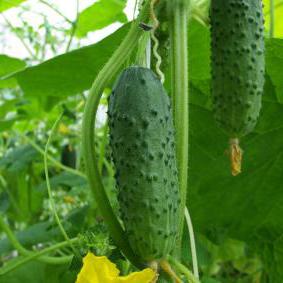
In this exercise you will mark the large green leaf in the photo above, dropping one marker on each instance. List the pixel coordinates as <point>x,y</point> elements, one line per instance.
<point>43,232</point>
<point>100,15</point>
<point>82,65</point>
<point>18,158</point>
<point>274,64</point>
<point>247,207</point>
<point>70,73</point>
<point>7,4</point>
<point>9,65</point>
<point>64,179</point>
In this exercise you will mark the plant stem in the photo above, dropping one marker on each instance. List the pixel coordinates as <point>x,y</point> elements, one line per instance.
<point>106,75</point>
<point>22,250</point>
<point>53,160</point>
<point>179,60</point>
<point>74,27</point>
<point>51,200</point>
<point>183,269</point>
<point>192,243</point>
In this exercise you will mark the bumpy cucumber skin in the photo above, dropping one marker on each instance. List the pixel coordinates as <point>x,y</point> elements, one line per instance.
<point>143,152</point>
<point>237,44</point>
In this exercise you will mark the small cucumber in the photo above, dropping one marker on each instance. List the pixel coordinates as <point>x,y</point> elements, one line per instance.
<point>143,151</point>
<point>237,46</point>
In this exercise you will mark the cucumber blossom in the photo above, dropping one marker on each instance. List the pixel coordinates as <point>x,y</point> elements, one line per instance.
<point>237,47</point>
<point>143,152</point>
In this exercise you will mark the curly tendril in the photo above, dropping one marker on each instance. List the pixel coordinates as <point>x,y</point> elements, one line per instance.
<point>156,42</point>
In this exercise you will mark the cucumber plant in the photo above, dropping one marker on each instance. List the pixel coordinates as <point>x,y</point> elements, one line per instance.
<point>237,46</point>
<point>160,241</point>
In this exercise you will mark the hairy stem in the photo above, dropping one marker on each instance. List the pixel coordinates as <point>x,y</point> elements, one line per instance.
<point>106,75</point>
<point>179,60</point>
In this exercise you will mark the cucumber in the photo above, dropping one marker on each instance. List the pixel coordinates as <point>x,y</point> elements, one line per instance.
<point>237,65</point>
<point>69,156</point>
<point>143,152</point>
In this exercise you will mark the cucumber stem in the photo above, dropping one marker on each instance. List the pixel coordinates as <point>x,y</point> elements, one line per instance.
<point>165,265</point>
<point>192,243</point>
<point>105,76</point>
<point>180,96</point>
<point>235,154</point>
<point>48,185</point>
<point>183,269</point>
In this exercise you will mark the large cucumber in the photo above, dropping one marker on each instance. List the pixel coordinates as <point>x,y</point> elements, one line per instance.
<point>143,151</point>
<point>237,45</point>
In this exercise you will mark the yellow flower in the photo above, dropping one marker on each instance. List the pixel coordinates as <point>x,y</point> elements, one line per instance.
<point>63,129</point>
<point>99,269</point>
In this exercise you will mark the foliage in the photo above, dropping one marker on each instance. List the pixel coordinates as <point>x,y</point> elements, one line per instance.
<point>237,220</point>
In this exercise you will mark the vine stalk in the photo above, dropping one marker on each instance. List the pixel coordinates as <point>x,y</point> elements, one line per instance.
<point>180,97</point>
<point>105,76</point>
<point>48,185</point>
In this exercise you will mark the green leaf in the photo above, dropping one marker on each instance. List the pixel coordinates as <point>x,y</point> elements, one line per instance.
<point>18,158</point>
<point>6,124</point>
<point>247,207</point>
<point>4,202</point>
<point>209,280</point>
<point>7,4</point>
<point>43,232</point>
<point>7,106</point>
<point>274,64</point>
<point>199,51</point>
<point>278,15</point>
<point>242,207</point>
<point>9,65</point>
<point>70,73</point>
<point>64,179</point>
<point>44,273</point>
<point>100,15</point>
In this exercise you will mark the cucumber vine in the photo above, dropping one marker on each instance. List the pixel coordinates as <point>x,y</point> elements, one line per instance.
<point>106,75</point>
<point>179,88</point>
<point>178,35</point>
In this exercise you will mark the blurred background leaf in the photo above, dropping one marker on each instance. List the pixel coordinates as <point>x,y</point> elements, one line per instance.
<point>100,15</point>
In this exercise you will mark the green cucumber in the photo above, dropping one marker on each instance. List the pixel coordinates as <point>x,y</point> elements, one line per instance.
<point>143,152</point>
<point>237,63</point>
<point>237,46</point>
